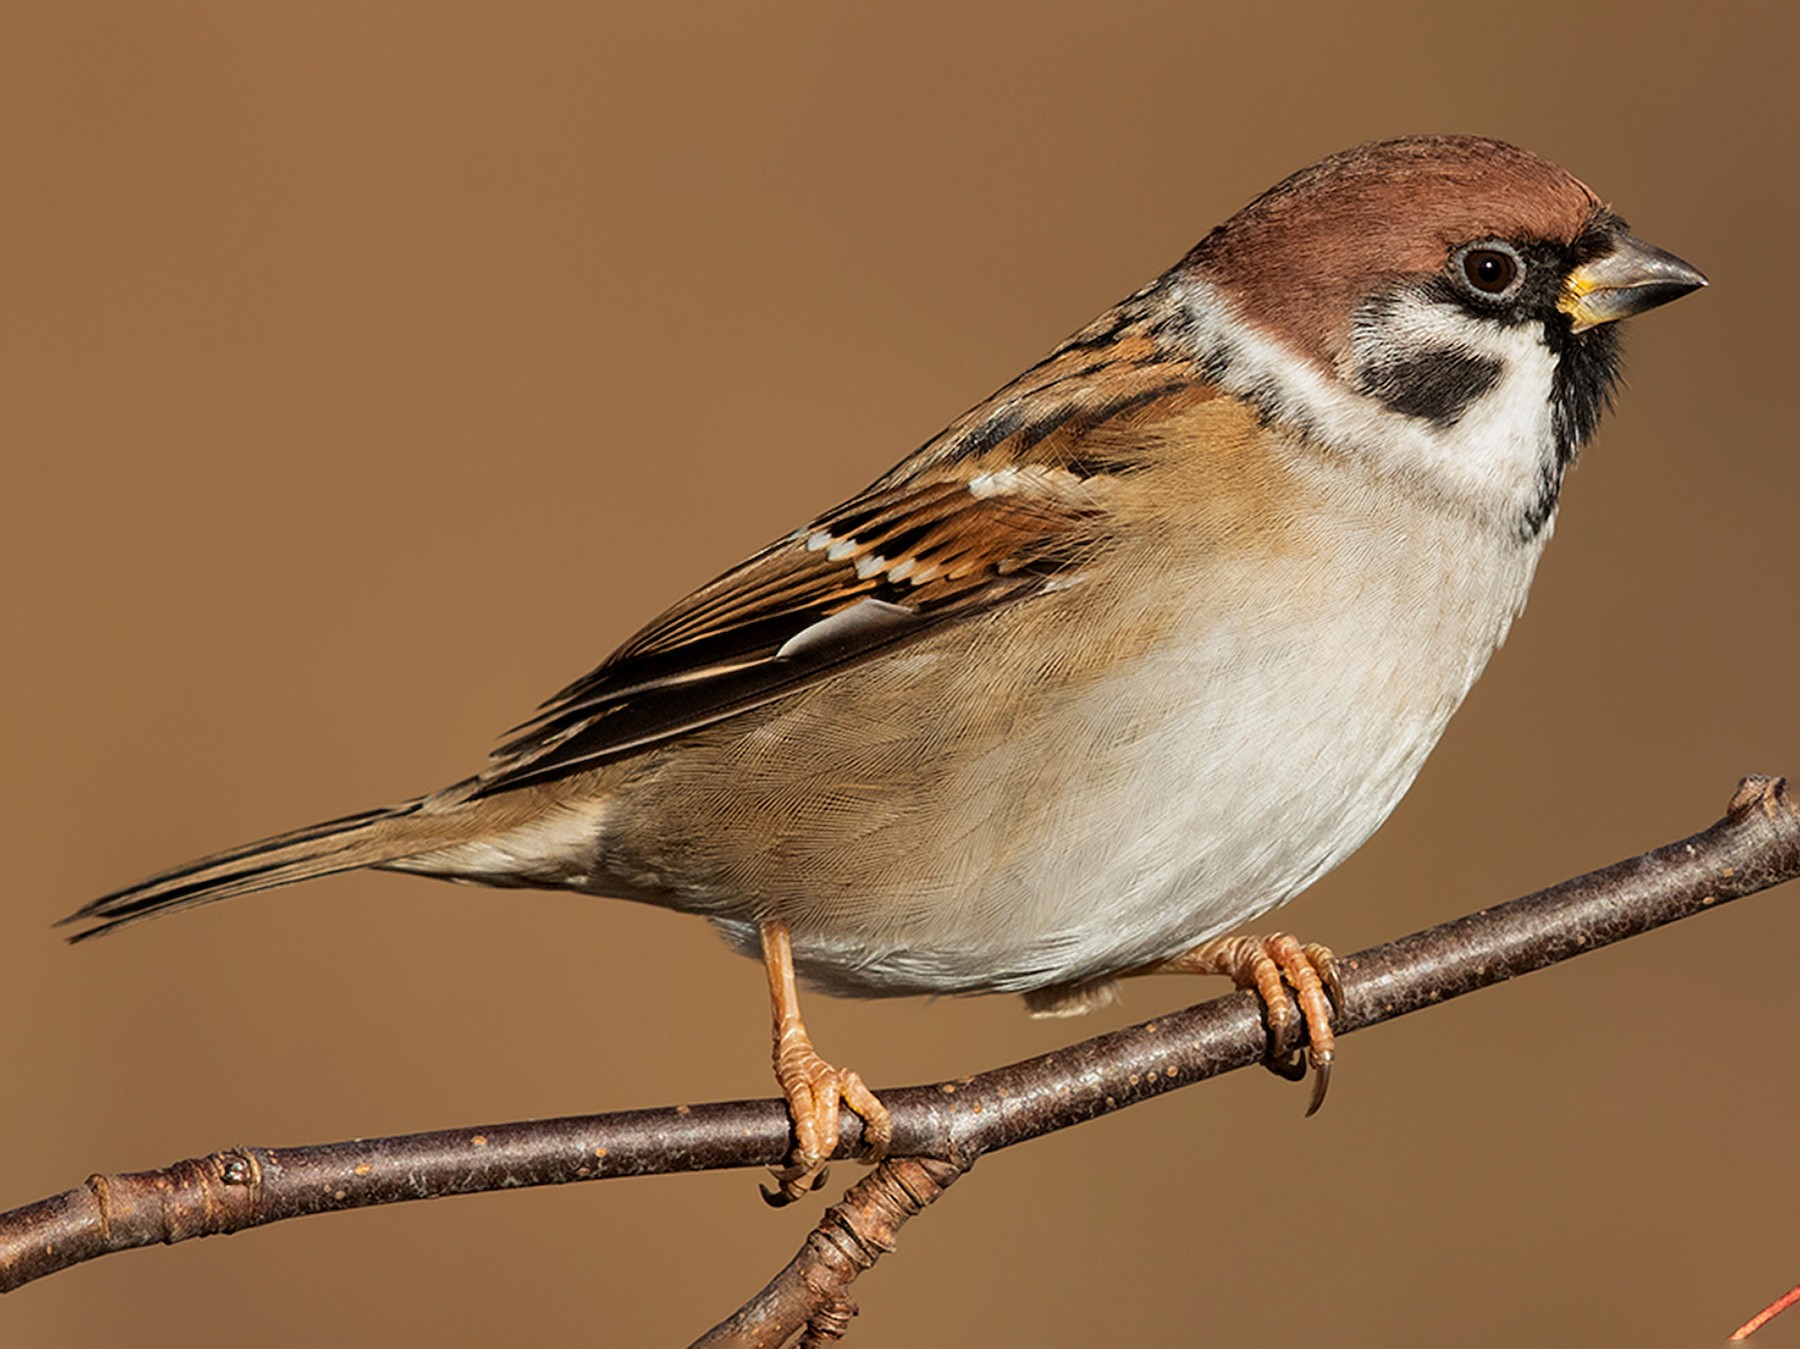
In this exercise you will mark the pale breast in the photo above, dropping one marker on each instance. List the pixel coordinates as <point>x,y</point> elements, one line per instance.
<point>1097,777</point>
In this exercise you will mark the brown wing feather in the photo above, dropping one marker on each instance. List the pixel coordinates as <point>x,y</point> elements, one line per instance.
<point>972,541</point>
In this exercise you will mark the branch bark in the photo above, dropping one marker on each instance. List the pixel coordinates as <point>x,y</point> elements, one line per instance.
<point>812,1293</point>
<point>1755,846</point>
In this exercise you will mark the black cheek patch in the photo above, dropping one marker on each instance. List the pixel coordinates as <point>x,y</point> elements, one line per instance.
<point>1437,386</point>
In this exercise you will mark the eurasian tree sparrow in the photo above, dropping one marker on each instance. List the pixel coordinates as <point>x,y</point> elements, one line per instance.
<point>1135,650</point>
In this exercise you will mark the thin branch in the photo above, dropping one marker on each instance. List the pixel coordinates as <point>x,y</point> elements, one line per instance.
<point>1743,1332</point>
<point>1755,846</point>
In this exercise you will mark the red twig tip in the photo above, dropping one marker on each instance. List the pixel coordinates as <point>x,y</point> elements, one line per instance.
<point>1767,1314</point>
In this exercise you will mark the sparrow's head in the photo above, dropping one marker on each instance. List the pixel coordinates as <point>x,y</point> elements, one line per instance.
<point>1443,302</point>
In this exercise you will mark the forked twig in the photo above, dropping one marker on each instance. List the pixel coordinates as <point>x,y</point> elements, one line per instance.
<point>812,1291</point>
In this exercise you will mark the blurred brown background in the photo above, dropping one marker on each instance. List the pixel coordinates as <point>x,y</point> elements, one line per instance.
<point>369,370</point>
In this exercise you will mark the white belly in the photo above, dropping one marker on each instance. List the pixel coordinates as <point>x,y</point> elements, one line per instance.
<point>1212,780</point>
<point>1008,806</point>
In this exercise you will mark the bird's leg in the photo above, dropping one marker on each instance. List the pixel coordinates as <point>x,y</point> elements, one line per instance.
<point>1271,965</point>
<point>814,1089</point>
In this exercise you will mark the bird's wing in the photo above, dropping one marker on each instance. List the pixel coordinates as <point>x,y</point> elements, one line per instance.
<point>881,569</point>
<point>1001,507</point>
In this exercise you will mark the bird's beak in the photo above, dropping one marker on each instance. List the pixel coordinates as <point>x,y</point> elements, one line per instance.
<point>1633,277</point>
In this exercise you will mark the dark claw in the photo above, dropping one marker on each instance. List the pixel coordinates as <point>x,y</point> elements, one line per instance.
<point>1321,1084</point>
<point>1334,988</point>
<point>1290,1067</point>
<point>1285,1034</point>
<point>791,1190</point>
<point>1286,1057</point>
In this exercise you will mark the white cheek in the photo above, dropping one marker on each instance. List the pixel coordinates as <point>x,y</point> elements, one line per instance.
<point>1501,446</point>
<point>1493,460</point>
<point>1507,440</point>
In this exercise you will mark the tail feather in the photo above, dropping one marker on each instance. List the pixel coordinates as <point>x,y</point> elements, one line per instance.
<point>362,840</point>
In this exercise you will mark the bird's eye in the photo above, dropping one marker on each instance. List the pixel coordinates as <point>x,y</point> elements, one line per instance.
<point>1490,270</point>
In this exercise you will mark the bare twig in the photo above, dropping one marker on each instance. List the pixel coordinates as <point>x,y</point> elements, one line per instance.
<point>1766,1315</point>
<point>1755,846</point>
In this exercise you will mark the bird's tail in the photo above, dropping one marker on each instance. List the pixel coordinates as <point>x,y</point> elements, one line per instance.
<point>372,838</point>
